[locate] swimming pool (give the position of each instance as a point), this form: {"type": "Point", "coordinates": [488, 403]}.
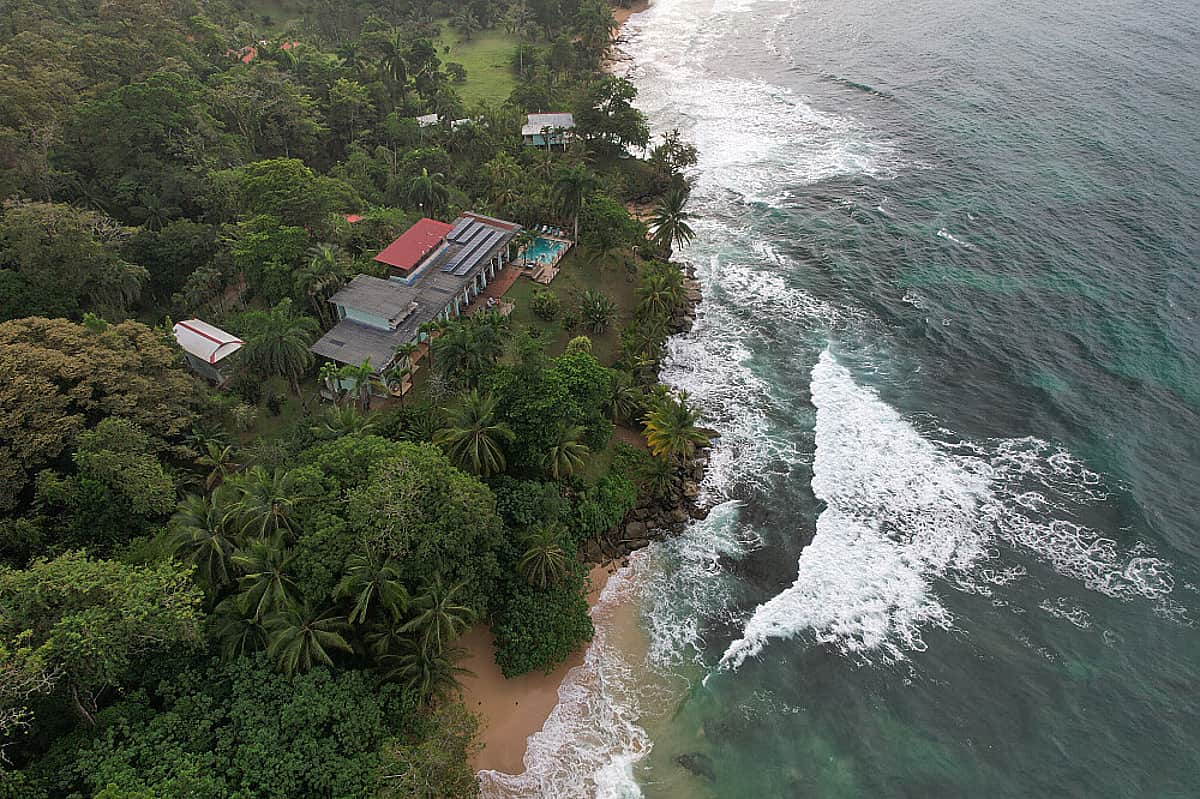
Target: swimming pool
{"type": "Point", "coordinates": [544, 251]}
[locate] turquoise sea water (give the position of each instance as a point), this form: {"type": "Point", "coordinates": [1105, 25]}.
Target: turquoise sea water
{"type": "Point", "coordinates": [951, 335]}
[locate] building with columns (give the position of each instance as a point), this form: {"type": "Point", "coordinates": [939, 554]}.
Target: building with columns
{"type": "Point", "coordinates": [435, 271]}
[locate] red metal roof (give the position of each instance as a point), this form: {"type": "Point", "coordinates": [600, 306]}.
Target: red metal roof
{"type": "Point", "coordinates": [414, 244]}
{"type": "Point", "coordinates": [352, 218]}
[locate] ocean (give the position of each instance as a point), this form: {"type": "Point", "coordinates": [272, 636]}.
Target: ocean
{"type": "Point", "coordinates": [951, 337]}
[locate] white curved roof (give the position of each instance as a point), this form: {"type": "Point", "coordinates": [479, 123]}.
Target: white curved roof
{"type": "Point", "coordinates": [206, 342]}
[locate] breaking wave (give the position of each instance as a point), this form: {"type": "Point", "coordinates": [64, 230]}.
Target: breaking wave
{"type": "Point", "coordinates": [904, 510]}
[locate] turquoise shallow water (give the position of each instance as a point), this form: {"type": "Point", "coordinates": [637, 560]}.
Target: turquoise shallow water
{"type": "Point", "coordinates": [951, 335]}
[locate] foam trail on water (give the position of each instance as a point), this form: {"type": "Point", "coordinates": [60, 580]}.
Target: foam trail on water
{"type": "Point", "coordinates": [899, 513]}
{"type": "Point", "coordinates": [904, 511]}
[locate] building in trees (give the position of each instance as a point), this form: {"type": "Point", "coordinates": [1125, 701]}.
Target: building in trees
{"type": "Point", "coordinates": [548, 130]}
{"type": "Point", "coordinates": [206, 348]}
{"type": "Point", "coordinates": [435, 271]}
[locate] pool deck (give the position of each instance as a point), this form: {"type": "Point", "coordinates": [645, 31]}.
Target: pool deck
{"type": "Point", "coordinates": [540, 271]}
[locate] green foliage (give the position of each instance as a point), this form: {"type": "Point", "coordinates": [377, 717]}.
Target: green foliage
{"type": "Point", "coordinates": [277, 342]}
{"type": "Point", "coordinates": [268, 253]}
{"type": "Point", "coordinates": [607, 114]}
{"type": "Point", "coordinates": [603, 506]}
{"type": "Point", "coordinates": [85, 623]}
{"type": "Point", "coordinates": [596, 310]}
{"type": "Point", "coordinates": [545, 304]}
{"type": "Point", "coordinates": [437, 764]}
{"type": "Point", "coordinates": [525, 503]}
{"type": "Point", "coordinates": [236, 729]}
{"type": "Point", "coordinates": [473, 438]}
{"type": "Point", "coordinates": [56, 260]}
{"type": "Point", "coordinates": [432, 519]}
{"type": "Point", "coordinates": [58, 379]}
{"type": "Point", "coordinates": [536, 629]}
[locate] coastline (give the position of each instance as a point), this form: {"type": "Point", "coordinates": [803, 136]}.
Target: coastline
{"type": "Point", "coordinates": [511, 710]}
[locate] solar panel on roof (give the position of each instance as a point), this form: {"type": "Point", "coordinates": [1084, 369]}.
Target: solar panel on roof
{"type": "Point", "coordinates": [459, 227]}
{"type": "Point", "coordinates": [479, 254]}
{"type": "Point", "coordinates": [465, 254]}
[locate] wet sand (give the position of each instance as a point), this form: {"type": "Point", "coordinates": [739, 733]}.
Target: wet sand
{"type": "Point", "coordinates": [512, 710]}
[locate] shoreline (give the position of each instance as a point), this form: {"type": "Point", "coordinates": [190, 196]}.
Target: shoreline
{"type": "Point", "coordinates": [511, 710]}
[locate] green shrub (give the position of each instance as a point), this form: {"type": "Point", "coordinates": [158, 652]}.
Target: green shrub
{"type": "Point", "coordinates": [545, 304]}
{"type": "Point", "coordinates": [536, 629]}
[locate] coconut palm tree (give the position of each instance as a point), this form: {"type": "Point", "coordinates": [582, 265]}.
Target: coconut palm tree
{"type": "Point", "coordinates": [428, 191]}
{"type": "Point", "coordinates": [625, 398]}
{"type": "Point", "coordinates": [277, 342]}
{"type": "Point", "coordinates": [220, 460]}
{"type": "Point", "coordinates": [660, 292]}
{"type": "Point", "coordinates": [406, 354]}
{"type": "Point", "coordinates": [303, 637]}
{"type": "Point", "coordinates": [473, 438]}
{"type": "Point", "coordinates": [203, 534]}
{"type": "Point", "coordinates": [669, 224]}
{"type": "Point", "coordinates": [572, 187]}
{"type": "Point", "coordinates": [237, 629]}
{"type": "Point", "coordinates": [671, 429]}
{"type": "Point", "coordinates": [372, 580]}
{"type": "Point", "coordinates": [265, 585]}
{"type": "Point", "coordinates": [268, 502]}
{"type": "Point", "coordinates": [565, 456]}
{"type": "Point", "coordinates": [544, 562]}
{"type": "Point", "coordinates": [439, 618]}
{"type": "Point", "coordinates": [431, 675]}
{"type": "Point", "coordinates": [362, 378]}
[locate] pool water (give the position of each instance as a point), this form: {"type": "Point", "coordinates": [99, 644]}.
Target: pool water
{"type": "Point", "coordinates": [544, 250]}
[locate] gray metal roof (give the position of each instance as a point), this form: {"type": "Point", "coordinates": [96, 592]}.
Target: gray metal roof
{"type": "Point", "coordinates": [536, 122]}
{"type": "Point", "coordinates": [387, 299]}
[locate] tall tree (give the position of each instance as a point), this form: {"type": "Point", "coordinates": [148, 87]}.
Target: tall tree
{"type": "Point", "coordinates": [544, 561]}
{"type": "Point", "coordinates": [671, 429]}
{"type": "Point", "coordinates": [204, 534]}
{"type": "Point", "coordinates": [572, 187]}
{"type": "Point", "coordinates": [566, 454]}
{"type": "Point", "coordinates": [266, 586]}
{"type": "Point", "coordinates": [669, 225]}
{"type": "Point", "coordinates": [371, 581]}
{"type": "Point", "coordinates": [428, 192]}
{"type": "Point", "coordinates": [302, 637]}
{"type": "Point", "coordinates": [267, 502]}
{"type": "Point", "coordinates": [474, 438]}
{"type": "Point", "coordinates": [439, 616]}
{"type": "Point", "coordinates": [277, 342]}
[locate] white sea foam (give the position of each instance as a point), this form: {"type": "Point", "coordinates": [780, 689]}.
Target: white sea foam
{"type": "Point", "coordinates": [899, 514]}
{"type": "Point", "coordinates": [591, 740]}
{"type": "Point", "coordinates": [906, 512]}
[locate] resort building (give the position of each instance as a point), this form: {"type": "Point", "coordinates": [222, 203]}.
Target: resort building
{"type": "Point", "coordinates": [548, 130]}
{"type": "Point", "coordinates": [206, 347]}
{"type": "Point", "coordinates": [435, 271]}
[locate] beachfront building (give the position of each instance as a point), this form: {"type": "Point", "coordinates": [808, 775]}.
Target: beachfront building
{"type": "Point", "coordinates": [435, 270]}
{"type": "Point", "coordinates": [206, 348]}
{"type": "Point", "coordinates": [548, 130]}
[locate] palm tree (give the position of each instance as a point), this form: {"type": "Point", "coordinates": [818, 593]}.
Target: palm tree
{"type": "Point", "coordinates": [278, 342]}
{"type": "Point", "coordinates": [323, 275]}
{"type": "Point", "coordinates": [669, 224]}
{"type": "Point", "coordinates": [431, 675]}
{"type": "Point", "coordinates": [303, 637]}
{"type": "Point", "coordinates": [544, 562]}
{"type": "Point", "coordinates": [565, 456]}
{"type": "Point", "coordinates": [265, 586]}
{"type": "Point", "coordinates": [203, 535]}
{"type": "Point", "coordinates": [596, 310]}
{"type": "Point", "coordinates": [503, 174]}
{"type": "Point", "coordinates": [473, 437]}
{"type": "Point", "coordinates": [609, 253]}
{"type": "Point", "coordinates": [440, 619]}
{"type": "Point", "coordinates": [220, 460]}
{"type": "Point", "coordinates": [393, 62]}
{"type": "Point", "coordinates": [267, 503]}
{"type": "Point", "coordinates": [372, 580]}
{"type": "Point", "coordinates": [237, 629]}
{"type": "Point", "coordinates": [671, 429]}
{"type": "Point", "coordinates": [572, 187]}
{"type": "Point", "coordinates": [661, 292]}
{"type": "Point", "coordinates": [428, 191]}
{"type": "Point", "coordinates": [337, 422]}
{"type": "Point", "coordinates": [406, 354]}
{"type": "Point", "coordinates": [362, 378]}
{"type": "Point", "coordinates": [624, 399]}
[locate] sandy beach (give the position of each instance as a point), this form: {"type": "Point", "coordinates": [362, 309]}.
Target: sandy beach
{"type": "Point", "coordinates": [512, 710]}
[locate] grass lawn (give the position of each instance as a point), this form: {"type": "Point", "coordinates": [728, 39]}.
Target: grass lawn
{"type": "Point", "coordinates": [575, 278]}
{"type": "Point", "coordinates": [486, 58]}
